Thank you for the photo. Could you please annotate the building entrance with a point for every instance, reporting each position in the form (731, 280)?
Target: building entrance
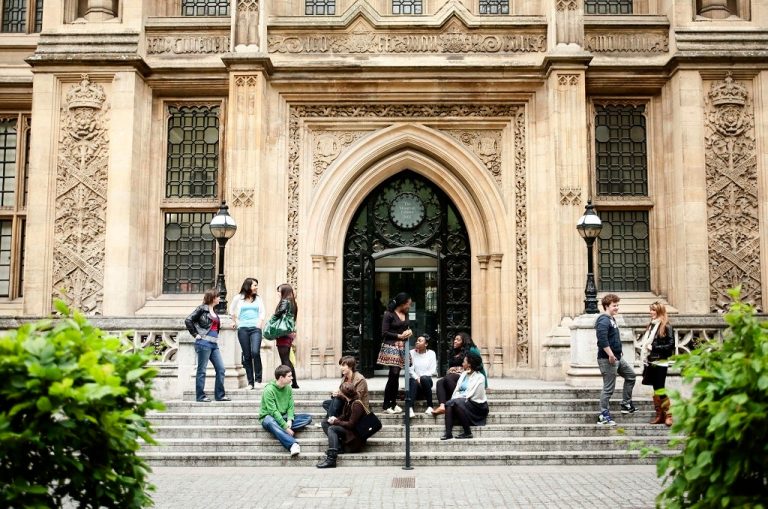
(406, 237)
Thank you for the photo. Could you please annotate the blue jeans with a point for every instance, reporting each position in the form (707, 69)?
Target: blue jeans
(250, 344)
(206, 350)
(299, 421)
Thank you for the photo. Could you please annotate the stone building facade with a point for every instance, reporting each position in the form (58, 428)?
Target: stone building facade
(446, 147)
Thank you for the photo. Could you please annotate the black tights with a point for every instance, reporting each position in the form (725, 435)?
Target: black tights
(390, 390)
(285, 360)
(456, 408)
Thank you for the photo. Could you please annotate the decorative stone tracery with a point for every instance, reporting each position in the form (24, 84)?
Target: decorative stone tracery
(732, 210)
(81, 198)
(485, 144)
(247, 24)
(327, 146)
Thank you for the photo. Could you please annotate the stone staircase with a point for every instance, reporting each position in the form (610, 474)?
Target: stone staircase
(526, 426)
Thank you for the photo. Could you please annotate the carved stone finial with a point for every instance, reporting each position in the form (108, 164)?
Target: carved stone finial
(86, 95)
(728, 92)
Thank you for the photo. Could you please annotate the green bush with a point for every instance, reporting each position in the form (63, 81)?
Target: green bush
(72, 408)
(724, 461)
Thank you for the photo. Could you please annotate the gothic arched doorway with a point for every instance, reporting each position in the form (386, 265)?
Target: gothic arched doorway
(406, 236)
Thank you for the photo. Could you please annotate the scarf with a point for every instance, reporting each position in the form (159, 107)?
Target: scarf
(647, 341)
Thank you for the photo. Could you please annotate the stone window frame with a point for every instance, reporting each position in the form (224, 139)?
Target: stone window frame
(17, 213)
(33, 18)
(188, 204)
(626, 203)
(502, 4)
(329, 7)
(417, 5)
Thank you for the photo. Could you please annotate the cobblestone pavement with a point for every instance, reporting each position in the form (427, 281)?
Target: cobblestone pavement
(541, 487)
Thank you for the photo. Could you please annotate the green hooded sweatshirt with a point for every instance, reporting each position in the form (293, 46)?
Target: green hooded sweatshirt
(277, 402)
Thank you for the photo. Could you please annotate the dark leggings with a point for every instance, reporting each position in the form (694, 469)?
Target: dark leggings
(446, 386)
(660, 380)
(285, 360)
(456, 408)
(390, 390)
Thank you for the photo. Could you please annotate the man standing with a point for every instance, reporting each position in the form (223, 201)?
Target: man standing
(276, 410)
(611, 361)
(423, 366)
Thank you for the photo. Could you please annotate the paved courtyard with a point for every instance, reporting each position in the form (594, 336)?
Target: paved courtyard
(391, 487)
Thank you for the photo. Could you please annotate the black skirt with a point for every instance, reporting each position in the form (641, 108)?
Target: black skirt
(654, 375)
(475, 412)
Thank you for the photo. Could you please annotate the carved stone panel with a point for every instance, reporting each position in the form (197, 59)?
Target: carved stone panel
(485, 144)
(247, 24)
(81, 198)
(732, 210)
(243, 198)
(327, 146)
(600, 41)
(570, 196)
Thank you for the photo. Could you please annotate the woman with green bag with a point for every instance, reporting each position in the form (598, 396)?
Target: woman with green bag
(284, 320)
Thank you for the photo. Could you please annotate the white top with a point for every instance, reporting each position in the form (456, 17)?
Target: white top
(475, 387)
(423, 364)
(234, 308)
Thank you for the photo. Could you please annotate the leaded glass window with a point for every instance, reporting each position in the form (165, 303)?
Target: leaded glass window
(14, 16)
(319, 7)
(608, 6)
(14, 152)
(407, 7)
(494, 6)
(205, 7)
(8, 144)
(6, 238)
(38, 15)
(188, 254)
(624, 251)
(192, 169)
(621, 150)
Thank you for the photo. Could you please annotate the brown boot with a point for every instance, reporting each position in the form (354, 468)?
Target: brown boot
(667, 412)
(659, 419)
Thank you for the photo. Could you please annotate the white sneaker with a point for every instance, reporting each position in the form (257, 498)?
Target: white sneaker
(428, 411)
(257, 385)
(397, 410)
(295, 449)
(389, 411)
(411, 413)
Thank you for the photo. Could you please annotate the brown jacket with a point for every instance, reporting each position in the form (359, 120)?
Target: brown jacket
(353, 412)
(361, 385)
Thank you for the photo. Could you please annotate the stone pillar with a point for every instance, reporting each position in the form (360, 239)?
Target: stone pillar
(315, 358)
(761, 132)
(495, 317)
(480, 322)
(583, 370)
(569, 24)
(331, 336)
(246, 26)
(100, 10)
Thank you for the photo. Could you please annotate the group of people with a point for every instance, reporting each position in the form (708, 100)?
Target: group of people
(656, 347)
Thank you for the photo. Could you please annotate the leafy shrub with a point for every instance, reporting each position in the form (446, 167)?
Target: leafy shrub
(72, 408)
(724, 461)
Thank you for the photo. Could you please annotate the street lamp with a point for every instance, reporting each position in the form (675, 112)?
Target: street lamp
(589, 226)
(223, 227)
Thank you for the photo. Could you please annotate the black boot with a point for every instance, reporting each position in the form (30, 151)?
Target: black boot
(330, 459)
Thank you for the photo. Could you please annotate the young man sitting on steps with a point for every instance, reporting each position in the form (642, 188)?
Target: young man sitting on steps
(276, 411)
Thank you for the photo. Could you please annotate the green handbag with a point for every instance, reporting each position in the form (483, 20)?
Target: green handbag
(279, 326)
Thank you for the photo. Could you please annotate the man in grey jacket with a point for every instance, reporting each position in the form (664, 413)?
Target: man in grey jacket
(611, 361)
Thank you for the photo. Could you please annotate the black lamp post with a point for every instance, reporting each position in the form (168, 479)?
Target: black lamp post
(223, 227)
(589, 226)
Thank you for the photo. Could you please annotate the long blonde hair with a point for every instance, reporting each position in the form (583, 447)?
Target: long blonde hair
(661, 315)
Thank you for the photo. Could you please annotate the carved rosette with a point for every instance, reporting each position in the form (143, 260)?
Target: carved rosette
(485, 144)
(732, 210)
(423, 112)
(327, 146)
(81, 198)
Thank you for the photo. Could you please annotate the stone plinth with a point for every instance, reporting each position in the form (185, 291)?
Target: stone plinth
(583, 370)
(230, 351)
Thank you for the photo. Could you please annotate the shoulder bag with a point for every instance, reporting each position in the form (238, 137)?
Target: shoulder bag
(279, 326)
(367, 425)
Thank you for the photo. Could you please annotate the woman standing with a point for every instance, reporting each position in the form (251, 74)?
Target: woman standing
(657, 345)
(247, 310)
(204, 324)
(468, 403)
(394, 330)
(462, 345)
(341, 430)
(287, 305)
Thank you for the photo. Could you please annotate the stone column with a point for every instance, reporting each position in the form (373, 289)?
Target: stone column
(495, 319)
(331, 336)
(569, 24)
(318, 279)
(480, 323)
(761, 131)
(246, 26)
(100, 10)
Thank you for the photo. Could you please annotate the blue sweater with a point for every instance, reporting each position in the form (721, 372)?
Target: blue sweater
(607, 335)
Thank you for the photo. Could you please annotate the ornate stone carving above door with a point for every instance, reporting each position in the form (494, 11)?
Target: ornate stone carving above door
(327, 146)
(81, 198)
(732, 201)
(485, 144)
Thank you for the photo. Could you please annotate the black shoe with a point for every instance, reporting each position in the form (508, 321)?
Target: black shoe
(330, 459)
(204, 399)
(295, 387)
(629, 408)
(465, 435)
(447, 436)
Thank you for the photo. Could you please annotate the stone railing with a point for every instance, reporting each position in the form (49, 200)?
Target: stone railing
(690, 330)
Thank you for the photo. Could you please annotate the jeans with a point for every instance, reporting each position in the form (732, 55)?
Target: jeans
(206, 350)
(333, 407)
(423, 389)
(250, 344)
(336, 436)
(299, 421)
(610, 372)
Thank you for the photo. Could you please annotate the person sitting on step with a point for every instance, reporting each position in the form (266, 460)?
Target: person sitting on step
(276, 411)
(349, 374)
(341, 430)
(462, 345)
(423, 366)
(468, 403)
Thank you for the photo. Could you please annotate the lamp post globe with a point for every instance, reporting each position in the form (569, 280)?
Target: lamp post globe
(223, 227)
(589, 226)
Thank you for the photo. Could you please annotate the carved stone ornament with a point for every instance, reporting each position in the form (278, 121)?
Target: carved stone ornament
(567, 80)
(485, 144)
(422, 112)
(567, 5)
(327, 146)
(362, 38)
(187, 44)
(247, 23)
(570, 196)
(627, 42)
(732, 197)
(243, 198)
(79, 226)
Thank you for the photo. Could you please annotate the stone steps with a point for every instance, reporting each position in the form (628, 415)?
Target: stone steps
(493, 394)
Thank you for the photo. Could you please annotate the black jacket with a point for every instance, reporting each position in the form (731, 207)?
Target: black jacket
(199, 322)
(662, 347)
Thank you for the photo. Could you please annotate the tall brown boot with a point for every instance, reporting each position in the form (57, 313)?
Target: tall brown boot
(659, 419)
(667, 412)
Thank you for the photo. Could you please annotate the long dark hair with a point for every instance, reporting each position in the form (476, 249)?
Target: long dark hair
(466, 345)
(399, 299)
(286, 293)
(245, 290)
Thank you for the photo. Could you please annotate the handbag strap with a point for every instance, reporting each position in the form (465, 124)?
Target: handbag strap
(367, 411)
